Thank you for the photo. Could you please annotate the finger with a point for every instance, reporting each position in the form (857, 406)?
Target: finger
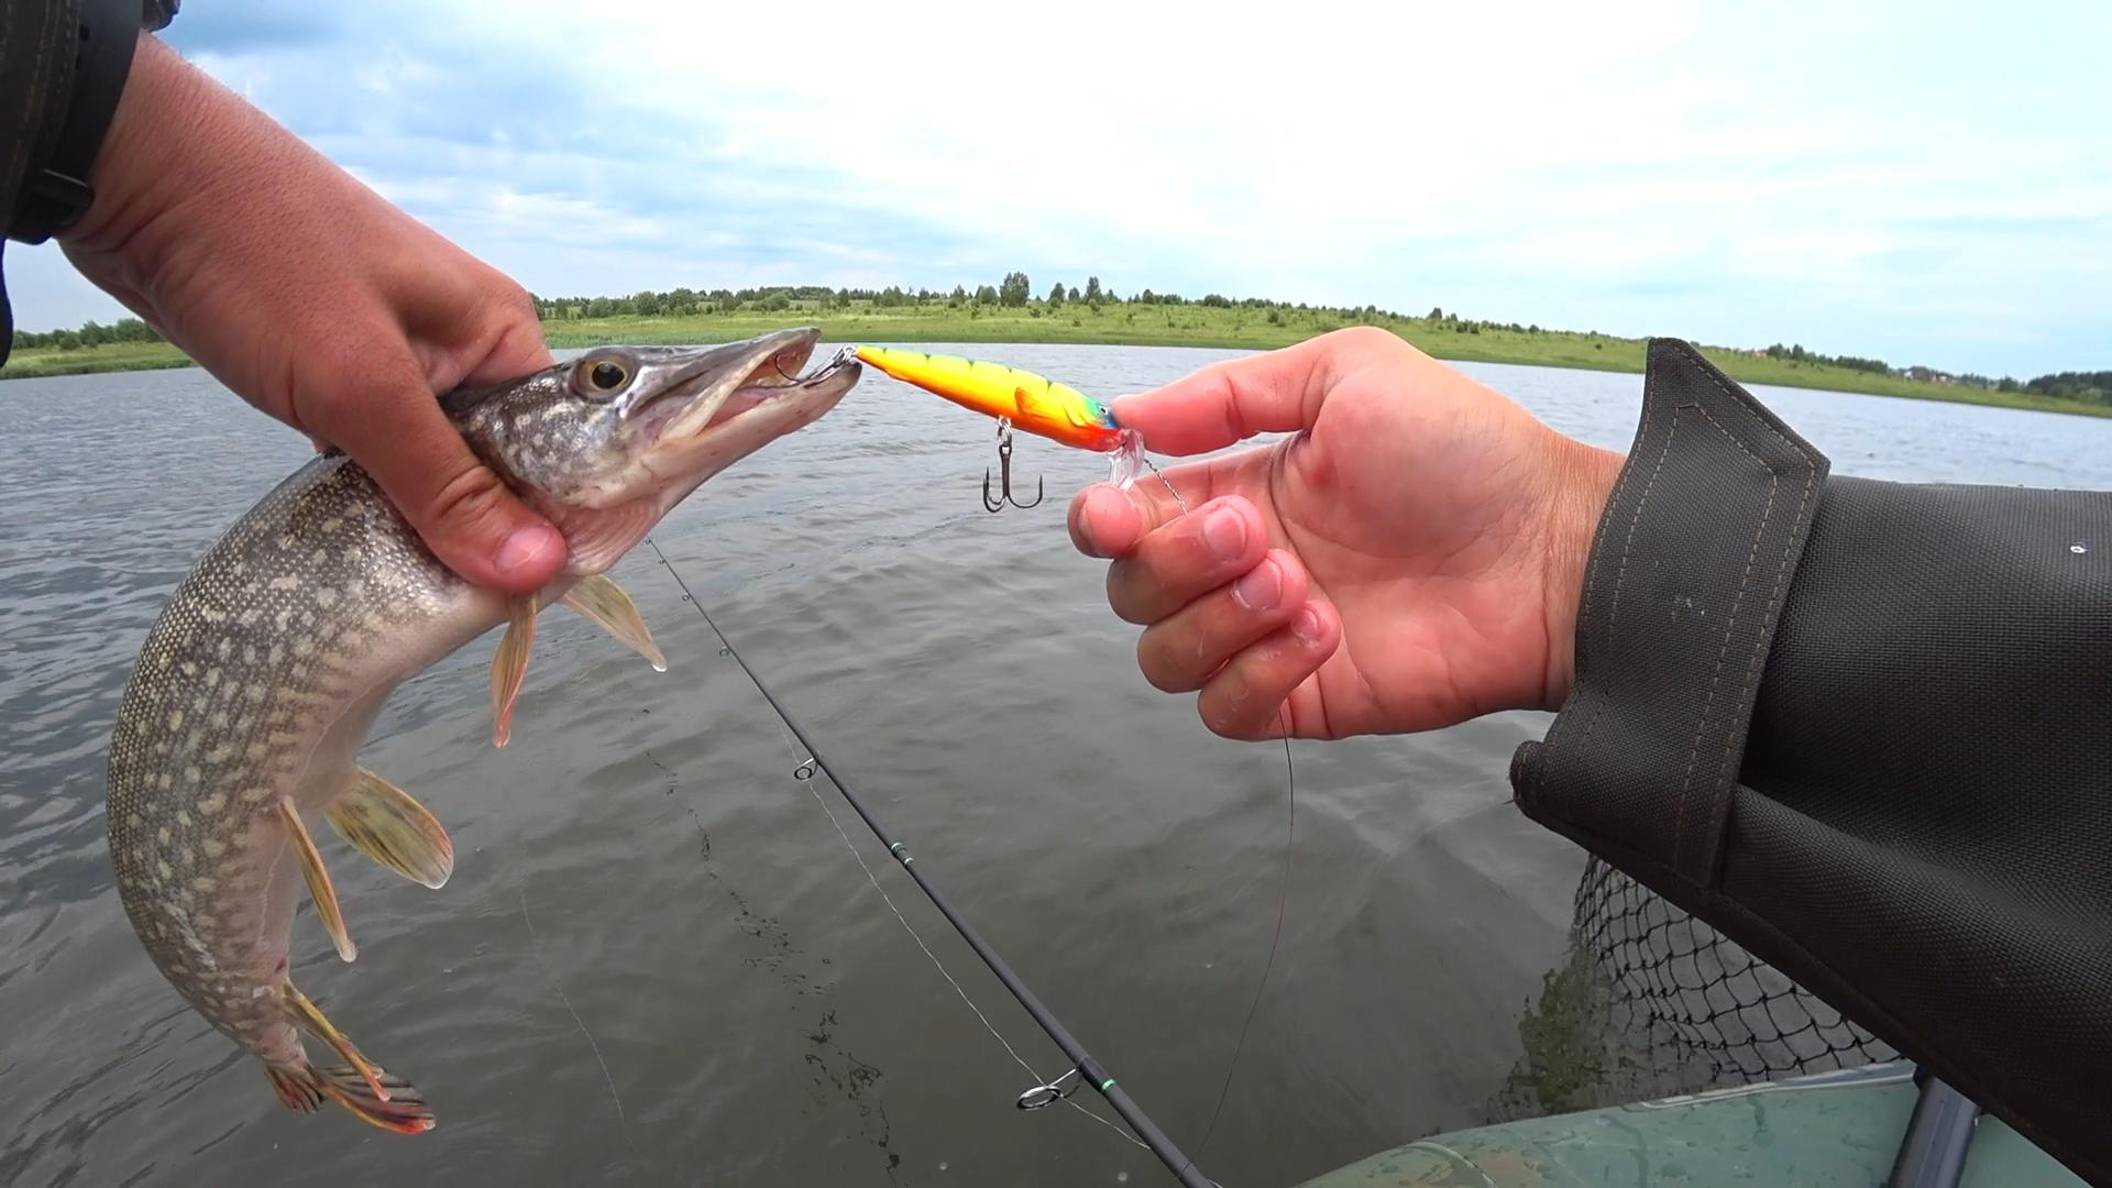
(1273, 392)
(1246, 699)
(464, 513)
(511, 342)
(1175, 565)
(1179, 653)
(1107, 521)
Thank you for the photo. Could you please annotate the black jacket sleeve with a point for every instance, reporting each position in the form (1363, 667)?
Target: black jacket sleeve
(32, 61)
(53, 104)
(1865, 729)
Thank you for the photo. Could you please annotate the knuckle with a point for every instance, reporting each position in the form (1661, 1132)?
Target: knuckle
(1367, 338)
(1157, 679)
(1187, 545)
(1183, 542)
(1223, 717)
(1074, 523)
(1124, 596)
(1223, 703)
(470, 494)
(508, 304)
(1155, 661)
(516, 297)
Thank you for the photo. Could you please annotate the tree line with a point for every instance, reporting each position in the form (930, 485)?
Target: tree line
(1015, 291)
(2093, 386)
(91, 334)
(1853, 363)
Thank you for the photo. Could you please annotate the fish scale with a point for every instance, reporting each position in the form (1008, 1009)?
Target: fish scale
(246, 663)
(266, 668)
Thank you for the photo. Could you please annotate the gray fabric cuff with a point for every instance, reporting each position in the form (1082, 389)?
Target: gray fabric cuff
(1685, 585)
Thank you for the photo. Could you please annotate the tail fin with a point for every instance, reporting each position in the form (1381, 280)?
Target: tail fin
(303, 1087)
(295, 1085)
(404, 1112)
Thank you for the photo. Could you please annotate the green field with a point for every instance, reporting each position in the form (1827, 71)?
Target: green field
(118, 356)
(1140, 325)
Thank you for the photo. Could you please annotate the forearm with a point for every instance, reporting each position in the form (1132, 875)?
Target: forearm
(187, 161)
(310, 296)
(165, 128)
(1865, 729)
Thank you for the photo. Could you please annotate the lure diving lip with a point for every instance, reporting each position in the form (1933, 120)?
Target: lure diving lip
(1031, 403)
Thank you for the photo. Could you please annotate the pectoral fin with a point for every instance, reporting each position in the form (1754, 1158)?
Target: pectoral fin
(604, 602)
(384, 823)
(510, 665)
(319, 888)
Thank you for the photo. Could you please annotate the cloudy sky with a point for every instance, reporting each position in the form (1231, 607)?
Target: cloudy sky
(1927, 182)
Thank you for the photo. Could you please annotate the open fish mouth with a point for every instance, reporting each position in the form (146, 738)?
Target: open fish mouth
(779, 378)
(742, 380)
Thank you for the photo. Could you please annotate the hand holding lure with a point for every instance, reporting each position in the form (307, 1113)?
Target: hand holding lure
(1022, 400)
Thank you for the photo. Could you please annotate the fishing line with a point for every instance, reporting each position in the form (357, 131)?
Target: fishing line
(988, 396)
(1091, 1071)
(1045, 1092)
(1283, 898)
(1283, 901)
(535, 944)
(1170, 490)
(870, 877)
(803, 772)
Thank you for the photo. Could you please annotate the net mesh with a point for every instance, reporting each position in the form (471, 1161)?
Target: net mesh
(1653, 1002)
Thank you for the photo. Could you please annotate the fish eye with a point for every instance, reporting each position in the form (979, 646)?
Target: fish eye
(600, 379)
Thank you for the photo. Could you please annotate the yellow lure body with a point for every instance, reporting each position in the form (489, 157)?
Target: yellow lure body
(1032, 403)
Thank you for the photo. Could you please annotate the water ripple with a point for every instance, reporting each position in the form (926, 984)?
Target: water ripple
(764, 1018)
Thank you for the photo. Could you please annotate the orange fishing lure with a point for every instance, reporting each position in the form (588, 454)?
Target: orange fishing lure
(1019, 400)
(1033, 403)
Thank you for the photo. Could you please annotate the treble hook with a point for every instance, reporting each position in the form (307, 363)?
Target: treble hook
(1004, 467)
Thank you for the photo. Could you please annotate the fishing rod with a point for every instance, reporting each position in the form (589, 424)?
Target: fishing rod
(1082, 1063)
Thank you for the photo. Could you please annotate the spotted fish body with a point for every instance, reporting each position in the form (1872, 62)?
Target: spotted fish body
(267, 667)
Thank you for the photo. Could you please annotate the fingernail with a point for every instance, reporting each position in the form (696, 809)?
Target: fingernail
(1226, 533)
(1307, 626)
(1260, 589)
(524, 546)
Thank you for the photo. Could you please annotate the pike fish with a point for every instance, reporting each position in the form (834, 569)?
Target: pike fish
(258, 683)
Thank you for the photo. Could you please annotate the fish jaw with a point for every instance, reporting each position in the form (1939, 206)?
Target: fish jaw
(619, 424)
(699, 435)
(756, 395)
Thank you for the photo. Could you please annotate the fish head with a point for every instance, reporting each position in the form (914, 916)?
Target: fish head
(607, 443)
(622, 423)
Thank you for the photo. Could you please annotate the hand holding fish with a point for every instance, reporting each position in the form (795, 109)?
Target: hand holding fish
(318, 302)
(1408, 559)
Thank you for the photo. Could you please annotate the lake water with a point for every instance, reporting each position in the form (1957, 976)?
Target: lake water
(657, 963)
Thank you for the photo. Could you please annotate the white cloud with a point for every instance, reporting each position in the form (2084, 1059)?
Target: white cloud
(1921, 181)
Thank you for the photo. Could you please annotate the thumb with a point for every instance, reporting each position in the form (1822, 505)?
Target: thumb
(1274, 392)
(465, 514)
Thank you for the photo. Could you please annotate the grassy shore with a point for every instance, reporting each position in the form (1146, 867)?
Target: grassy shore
(1137, 325)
